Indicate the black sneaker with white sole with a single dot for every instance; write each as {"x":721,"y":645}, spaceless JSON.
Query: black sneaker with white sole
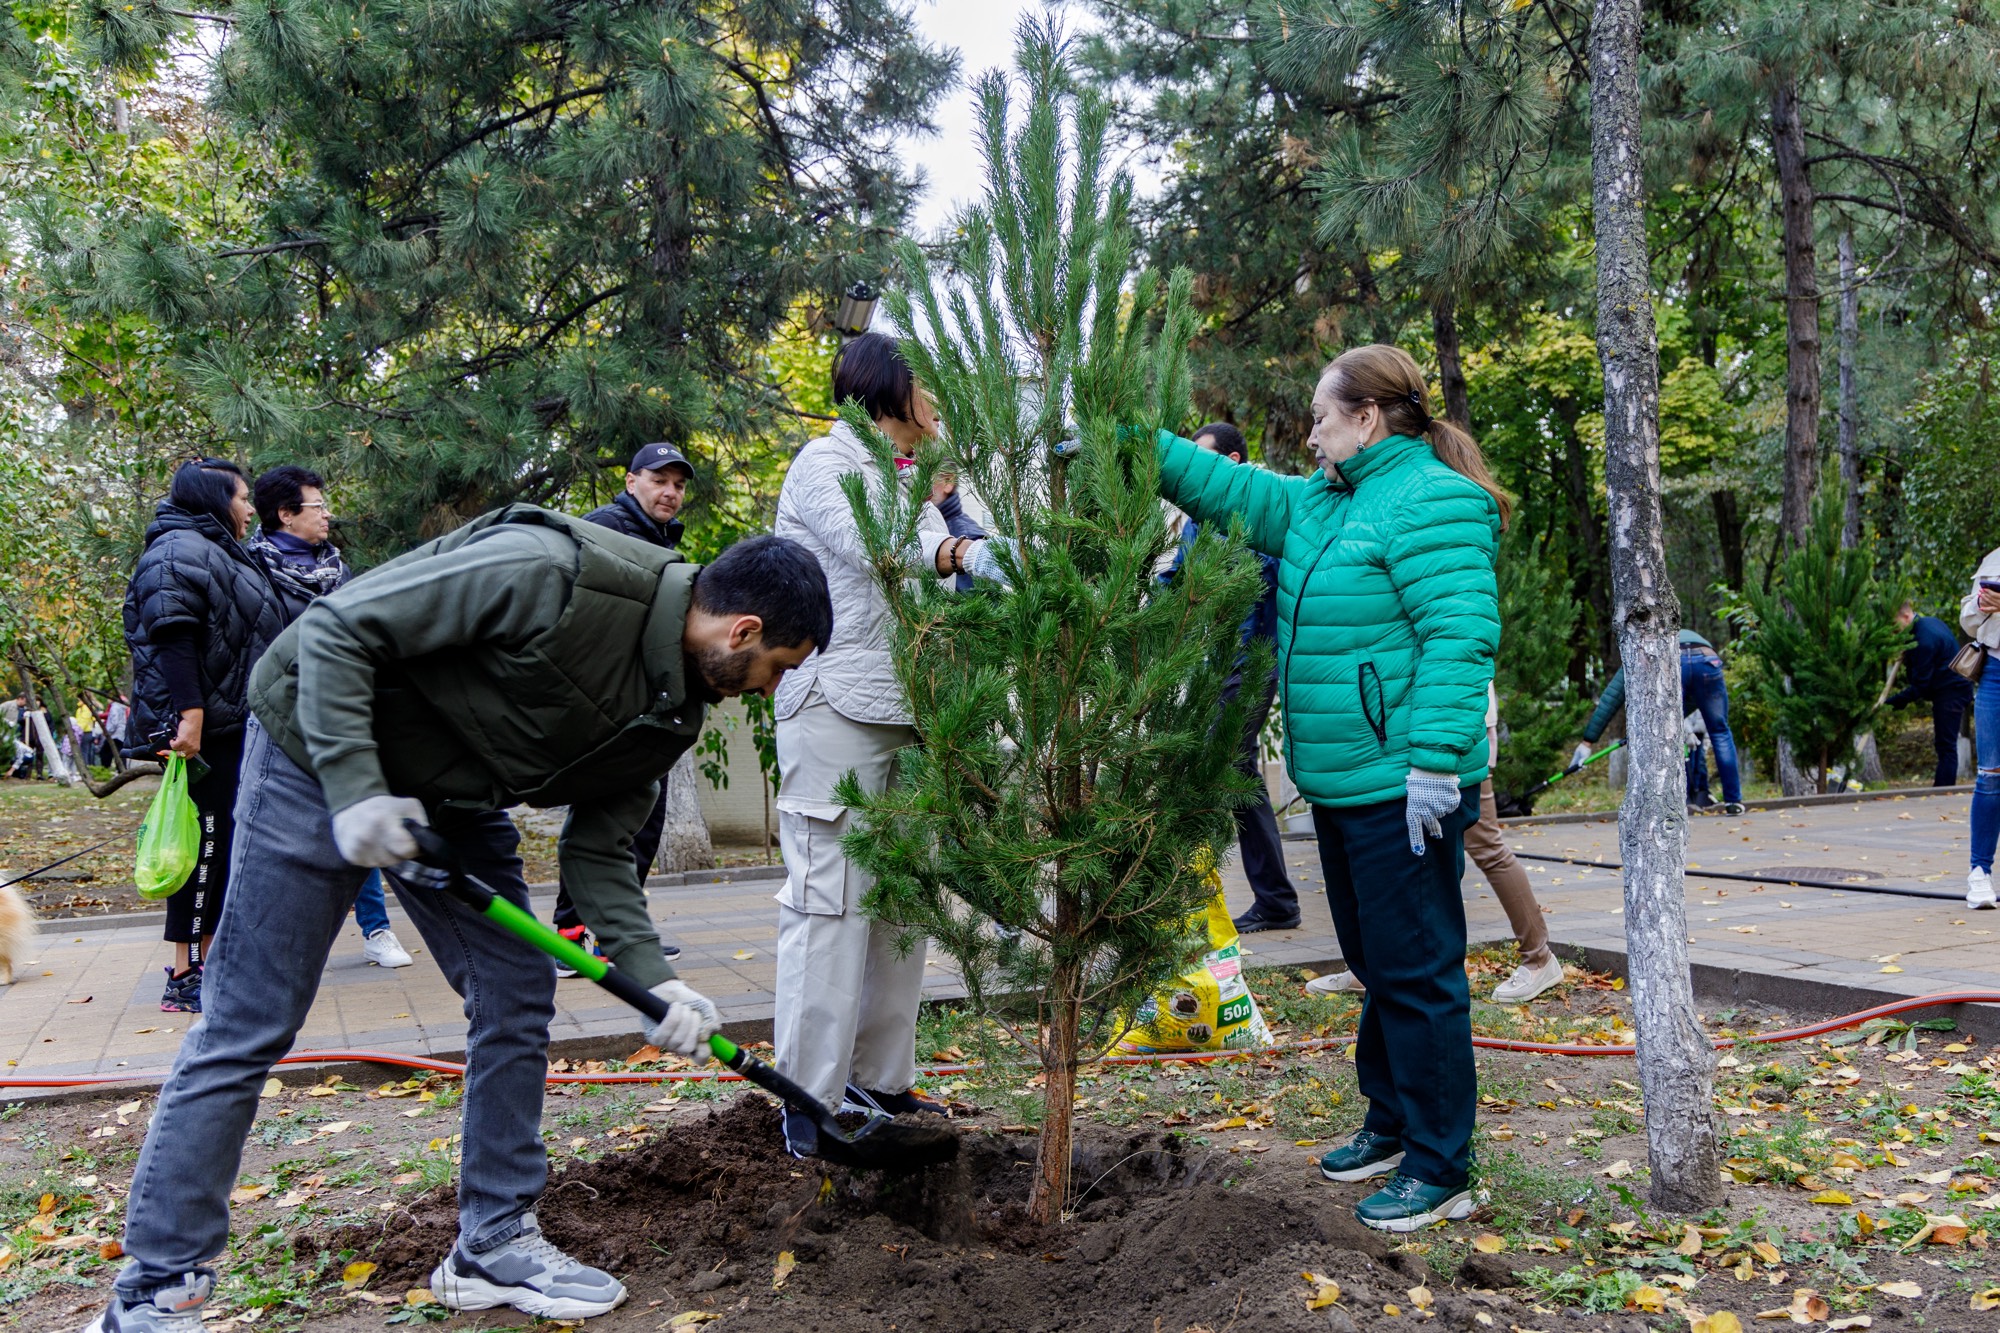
{"x":528,"y":1273}
{"x":910,"y":1102}
{"x":801,"y":1134}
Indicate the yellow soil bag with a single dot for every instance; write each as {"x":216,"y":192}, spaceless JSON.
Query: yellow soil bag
{"x":1209,"y":1008}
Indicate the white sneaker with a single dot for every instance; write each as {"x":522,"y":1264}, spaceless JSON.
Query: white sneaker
{"x":1979,"y":889}
{"x":1528,"y":982}
{"x":384,"y":950}
{"x":1335,"y":984}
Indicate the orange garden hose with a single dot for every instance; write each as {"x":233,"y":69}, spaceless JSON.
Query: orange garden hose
{"x":429,"y":1065}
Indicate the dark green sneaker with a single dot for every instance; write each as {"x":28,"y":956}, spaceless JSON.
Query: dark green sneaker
{"x":1406,"y":1204}
{"x":1362,"y":1156}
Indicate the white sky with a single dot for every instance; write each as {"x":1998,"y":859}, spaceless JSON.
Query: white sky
{"x":982,"y":31}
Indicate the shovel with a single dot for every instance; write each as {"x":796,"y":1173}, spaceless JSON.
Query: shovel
{"x":1524,"y":803}
{"x":881,"y":1144}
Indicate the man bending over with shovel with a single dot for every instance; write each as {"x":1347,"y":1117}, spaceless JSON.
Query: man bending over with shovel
{"x":528,"y":657}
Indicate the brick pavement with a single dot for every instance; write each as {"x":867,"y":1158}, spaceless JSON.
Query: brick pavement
{"x":47,"y":1026}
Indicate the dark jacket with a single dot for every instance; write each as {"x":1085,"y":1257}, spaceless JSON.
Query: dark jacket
{"x":1261,"y":623}
{"x":194,"y":576}
{"x":625,"y":515}
{"x":1613,"y":697}
{"x":299,"y":573}
{"x":1929,"y":664}
{"x":527,"y":658}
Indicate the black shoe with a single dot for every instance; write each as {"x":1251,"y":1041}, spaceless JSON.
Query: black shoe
{"x":801,"y":1134}
{"x":1703,"y":802}
{"x":1254,"y":920}
{"x":669,"y":951}
{"x":894,"y":1103}
{"x":1732,"y":807}
{"x":183,"y":992}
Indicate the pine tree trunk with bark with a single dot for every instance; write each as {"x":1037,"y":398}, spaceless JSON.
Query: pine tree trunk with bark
{"x":1850,"y":393}
{"x":1802,"y":385}
{"x":1676,"y":1063}
{"x":1451,"y":362}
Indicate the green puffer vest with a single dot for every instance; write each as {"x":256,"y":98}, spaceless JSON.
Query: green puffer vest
{"x":1388,"y":615}
{"x":592,"y":705}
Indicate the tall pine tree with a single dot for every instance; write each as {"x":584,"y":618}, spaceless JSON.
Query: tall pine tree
{"x":1077,"y":758}
{"x":519,"y":239}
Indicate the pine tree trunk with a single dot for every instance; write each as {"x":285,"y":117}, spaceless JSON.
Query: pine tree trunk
{"x":1802,"y":389}
{"x":1728,"y":536}
{"x":1451,"y":364}
{"x":1675,"y":1061}
{"x":684,"y":841}
{"x":1059,"y":1054}
{"x":1850,"y":394}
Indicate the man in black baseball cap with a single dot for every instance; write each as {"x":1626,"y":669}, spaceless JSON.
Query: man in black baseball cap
{"x":655,"y":488}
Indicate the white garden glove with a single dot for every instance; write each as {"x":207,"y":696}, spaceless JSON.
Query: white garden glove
{"x":983,"y":561}
{"x":691,"y":1020}
{"x":1431,"y":797}
{"x":1581,"y":756}
{"x":371,"y":832}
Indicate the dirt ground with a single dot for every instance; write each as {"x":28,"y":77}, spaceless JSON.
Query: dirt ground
{"x":1858,"y":1173}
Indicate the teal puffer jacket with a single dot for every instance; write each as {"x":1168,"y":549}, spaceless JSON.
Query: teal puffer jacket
{"x":1388,"y":615}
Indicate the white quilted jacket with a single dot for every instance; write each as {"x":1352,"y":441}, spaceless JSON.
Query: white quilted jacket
{"x":855,"y":672}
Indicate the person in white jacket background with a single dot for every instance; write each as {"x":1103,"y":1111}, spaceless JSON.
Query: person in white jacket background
{"x":1979,"y":617}
{"x":847,"y":996}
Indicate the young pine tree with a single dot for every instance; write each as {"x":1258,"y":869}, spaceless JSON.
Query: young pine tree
{"x":1077,"y":755}
{"x":1824,"y":635}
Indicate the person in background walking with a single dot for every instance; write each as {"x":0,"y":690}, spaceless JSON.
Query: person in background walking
{"x":1388,"y":618}
{"x":1933,"y":680}
{"x":1979,"y":617}
{"x":649,"y":507}
{"x":1275,"y":904}
{"x":293,"y":543}
{"x":1703,"y":688}
{"x":845,"y":1026}
{"x":198,"y":613}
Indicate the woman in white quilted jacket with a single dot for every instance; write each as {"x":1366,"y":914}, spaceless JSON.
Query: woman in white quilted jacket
{"x":1979,"y":616}
{"x":847,"y":998}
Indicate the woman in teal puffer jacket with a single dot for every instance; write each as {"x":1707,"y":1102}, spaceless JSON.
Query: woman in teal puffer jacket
{"x":1388,"y":620}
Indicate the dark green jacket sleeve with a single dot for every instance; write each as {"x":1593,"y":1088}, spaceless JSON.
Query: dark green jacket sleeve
{"x":596,"y":858}
{"x":1212,"y":488}
{"x":504,"y":588}
{"x":1608,"y":705}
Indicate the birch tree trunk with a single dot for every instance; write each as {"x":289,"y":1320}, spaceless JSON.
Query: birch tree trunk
{"x":1802,"y":387}
{"x":1850,"y":394}
{"x":1676,"y":1064}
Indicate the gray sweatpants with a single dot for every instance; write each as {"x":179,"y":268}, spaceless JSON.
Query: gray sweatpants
{"x":289,"y":896}
{"x":847,"y":996}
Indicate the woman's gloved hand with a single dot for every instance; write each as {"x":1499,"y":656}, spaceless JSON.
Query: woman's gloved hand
{"x":1431,"y":797}
{"x":983,"y":561}
{"x":1581,"y":756}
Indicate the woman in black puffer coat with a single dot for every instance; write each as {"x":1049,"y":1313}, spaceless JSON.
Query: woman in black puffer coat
{"x":199,"y":612}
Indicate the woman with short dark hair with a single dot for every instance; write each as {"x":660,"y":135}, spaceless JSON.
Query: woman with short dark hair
{"x":198,"y":614}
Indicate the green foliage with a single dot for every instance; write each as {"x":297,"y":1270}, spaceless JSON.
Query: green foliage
{"x":1953,"y":474}
{"x":1077,"y":757}
{"x":1825,"y":634}
{"x":1541,"y":709}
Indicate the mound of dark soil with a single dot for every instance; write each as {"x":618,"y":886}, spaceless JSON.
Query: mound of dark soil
{"x":1166,"y":1236}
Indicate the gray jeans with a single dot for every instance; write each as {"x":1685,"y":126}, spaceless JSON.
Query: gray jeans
{"x":290,"y":893}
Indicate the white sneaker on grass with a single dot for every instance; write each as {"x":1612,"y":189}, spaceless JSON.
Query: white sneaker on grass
{"x":1528,"y":982}
{"x":1979,"y":889}
{"x":1335,"y":984}
{"x":384,"y":950}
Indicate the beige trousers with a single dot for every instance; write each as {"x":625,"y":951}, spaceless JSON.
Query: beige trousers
{"x":847,"y":997}
{"x":1489,"y":850}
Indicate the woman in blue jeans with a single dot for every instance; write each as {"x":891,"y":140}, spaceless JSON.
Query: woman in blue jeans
{"x":1703,"y":688}
{"x":1979,"y":617}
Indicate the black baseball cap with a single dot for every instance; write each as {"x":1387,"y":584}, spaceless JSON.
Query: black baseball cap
{"x":656,"y":456}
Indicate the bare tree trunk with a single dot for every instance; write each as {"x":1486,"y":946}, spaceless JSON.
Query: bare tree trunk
{"x":684,"y":842}
{"x":1729,"y":536}
{"x":1850,"y":393}
{"x":1053,"y":1159}
{"x":1793,"y":780}
{"x":1802,"y":391}
{"x":1676,"y":1064}
{"x":1451,"y":364}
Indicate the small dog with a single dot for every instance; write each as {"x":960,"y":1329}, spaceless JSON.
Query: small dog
{"x":17,"y":930}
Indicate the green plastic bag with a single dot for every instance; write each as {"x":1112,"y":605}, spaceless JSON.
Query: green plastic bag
{"x":170,"y":839}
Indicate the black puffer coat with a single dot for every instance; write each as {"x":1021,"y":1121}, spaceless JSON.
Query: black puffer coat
{"x":624,"y":515}
{"x":194,"y":572}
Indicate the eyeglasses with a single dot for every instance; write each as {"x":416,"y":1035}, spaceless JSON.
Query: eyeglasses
{"x":315,"y":504}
